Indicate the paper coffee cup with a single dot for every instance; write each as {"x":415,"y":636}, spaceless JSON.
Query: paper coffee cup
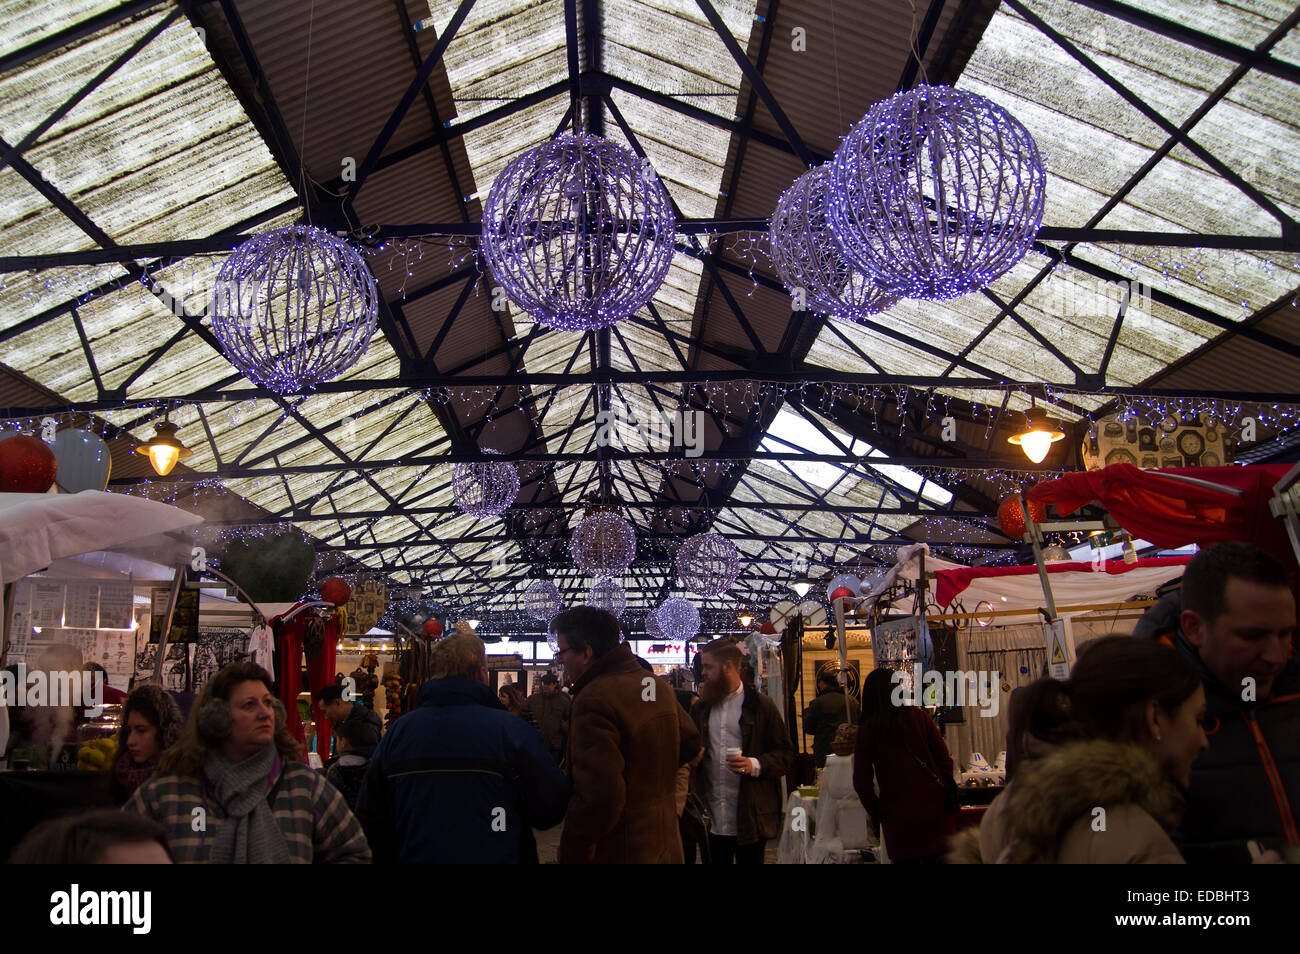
{"x":732,"y":751}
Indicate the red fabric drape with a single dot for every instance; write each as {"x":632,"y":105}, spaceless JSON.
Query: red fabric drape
{"x":1174,"y":513}
{"x":290,"y":644}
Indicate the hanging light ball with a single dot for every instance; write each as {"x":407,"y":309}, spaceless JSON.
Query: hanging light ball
{"x":542,"y":600}
{"x":708,"y":564}
{"x":603,"y":544}
{"x":27,"y":465}
{"x":432,"y":628}
{"x":1012,"y":520}
{"x":609,"y":596}
{"x":810,"y":263}
{"x":844,"y":585}
{"x":937,"y":192}
{"x":294,"y":307}
{"x":652,"y":625}
{"x":336,"y":591}
{"x":578,"y":232}
{"x":484,"y":488}
{"x":678,"y":618}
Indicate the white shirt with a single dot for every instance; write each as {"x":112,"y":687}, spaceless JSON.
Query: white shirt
{"x":724,"y":784}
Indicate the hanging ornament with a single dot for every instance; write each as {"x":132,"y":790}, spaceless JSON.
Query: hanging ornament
{"x":335,"y":591}
{"x":652,"y":625}
{"x":294,"y":307}
{"x":937,"y":192}
{"x":542,"y":600}
{"x":27,"y":465}
{"x":578,"y":232}
{"x":808,"y":260}
{"x":432,"y":628}
{"x":708,"y":564}
{"x":1012,"y":520}
{"x":484,"y":488}
{"x":603,"y":544}
{"x":679,"y":620}
{"x":609,"y":596}
{"x":846,"y":585}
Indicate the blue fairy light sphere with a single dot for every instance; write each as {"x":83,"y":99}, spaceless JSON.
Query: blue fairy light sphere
{"x":936,"y":192}
{"x":609,"y":596}
{"x":294,"y":307}
{"x":484,"y":488}
{"x":578,"y":232}
{"x":708,"y":564}
{"x":678,"y":618}
{"x":808,"y":260}
{"x":603,"y":544}
{"x":652,"y":624}
{"x":542,"y":600}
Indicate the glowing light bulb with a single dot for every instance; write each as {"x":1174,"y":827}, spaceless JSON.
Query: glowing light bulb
{"x":1036,"y":444}
{"x":164,"y":458}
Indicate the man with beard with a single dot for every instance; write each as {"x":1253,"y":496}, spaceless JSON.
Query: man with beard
{"x":1236,"y":626}
{"x":627,"y":738}
{"x":746,"y":752}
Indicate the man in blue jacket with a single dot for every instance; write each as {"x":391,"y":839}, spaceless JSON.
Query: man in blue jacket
{"x":460,"y":780}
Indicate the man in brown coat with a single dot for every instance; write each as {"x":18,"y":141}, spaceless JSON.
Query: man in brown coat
{"x":627,"y":738}
{"x":746,"y":752}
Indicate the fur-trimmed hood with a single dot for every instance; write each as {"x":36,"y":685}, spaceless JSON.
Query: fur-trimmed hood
{"x":1052,"y":794}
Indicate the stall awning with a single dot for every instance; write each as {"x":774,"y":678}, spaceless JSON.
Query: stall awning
{"x":1073,"y":584}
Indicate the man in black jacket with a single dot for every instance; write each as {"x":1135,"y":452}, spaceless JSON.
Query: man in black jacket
{"x":1236,"y":626}
{"x":826,"y":713}
{"x":340,"y":711}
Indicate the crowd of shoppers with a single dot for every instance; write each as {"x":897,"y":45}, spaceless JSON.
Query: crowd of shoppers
{"x":1178,"y":743}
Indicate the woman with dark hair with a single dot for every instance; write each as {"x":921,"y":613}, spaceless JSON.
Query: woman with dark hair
{"x":1123,"y":733}
{"x":512,"y":697}
{"x":899,"y":749}
{"x":100,"y":837}
{"x":151,"y":722}
{"x":234,"y":789}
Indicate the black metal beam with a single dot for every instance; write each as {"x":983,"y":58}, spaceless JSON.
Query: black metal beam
{"x":371,"y":161}
{"x":1175,"y":30}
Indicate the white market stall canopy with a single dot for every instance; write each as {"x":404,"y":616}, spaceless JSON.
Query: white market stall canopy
{"x":37,"y":529}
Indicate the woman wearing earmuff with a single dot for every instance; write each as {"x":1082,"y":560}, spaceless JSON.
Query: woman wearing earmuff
{"x":234,"y":788}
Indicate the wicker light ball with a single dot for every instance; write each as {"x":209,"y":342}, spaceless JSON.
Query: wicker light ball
{"x":609,"y":596}
{"x":484,"y":488}
{"x":578,"y":232}
{"x":294,"y":307}
{"x":708,"y":564}
{"x":542,"y":600}
{"x":809,"y":261}
{"x":678,"y":618}
{"x":936,"y":192}
{"x":603,"y":545}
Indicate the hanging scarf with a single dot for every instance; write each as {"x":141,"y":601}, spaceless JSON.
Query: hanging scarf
{"x":249,"y":834}
{"x":130,"y":776}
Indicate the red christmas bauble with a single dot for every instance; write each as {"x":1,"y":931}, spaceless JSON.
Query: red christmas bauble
{"x":432,"y":627}
{"x":1012,"y":521}
{"x":767,"y":629}
{"x":335,"y":591}
{"x":27,"y":465}
{"x":840,"y":593}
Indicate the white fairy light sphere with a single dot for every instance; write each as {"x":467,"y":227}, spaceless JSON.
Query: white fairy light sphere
{"x":578,"y":232}
{"x":809,"y":261}
{"x":542,"y":600}
{"x":678,"y":618}
{"x":708,"y":564}
{"x":609,"y":596}
{"x":652,"y":624}
{"x":603,"y":545}
{"x":484,"y":488}
{"x":294,"y":307}
{"x":936,"y":192}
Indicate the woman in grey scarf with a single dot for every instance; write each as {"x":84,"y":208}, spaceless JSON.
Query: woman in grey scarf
{"x":234,"y":789}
